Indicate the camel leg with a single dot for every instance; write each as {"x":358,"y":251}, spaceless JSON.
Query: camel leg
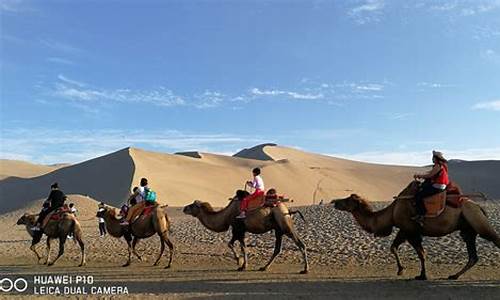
{"x":302,"y":248}
{"x":128,"y":238}
{"x":416,"y":242}
{"x":244,"y":253}
{"x":470,"y":239}
{"x":400,"y":238}
{"x":62,"y":240}
{"x":277,"y":249}
{"x":162,"y":249}
{"x":36,"y":240}
{"x":171,"y":249}
{"x":48,"y":251}
{"x":78,"y":237}
{"x":239,"y":260}
{"x":134,"y":243}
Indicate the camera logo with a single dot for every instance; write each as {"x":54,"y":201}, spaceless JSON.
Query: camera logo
{"x":19,"y":285}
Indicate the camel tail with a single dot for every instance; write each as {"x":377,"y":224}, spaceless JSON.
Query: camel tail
{"x":476,"y":217}
{"x":299,"y":213}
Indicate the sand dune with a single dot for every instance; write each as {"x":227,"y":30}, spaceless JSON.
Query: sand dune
{"x":180,"y":178}
{"x":107,"y":178}
{"x":17,"y":168}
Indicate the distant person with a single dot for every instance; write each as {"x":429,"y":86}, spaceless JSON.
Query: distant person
{"x":321,"y":202}
{"x":72,"y":210}
{"x":435,"y":182}
{"x":54,"y":201}
{"x":258,"y":185}
{"x":102,"y":223}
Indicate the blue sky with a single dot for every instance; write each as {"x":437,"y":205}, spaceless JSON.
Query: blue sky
{"x":381,"y":81}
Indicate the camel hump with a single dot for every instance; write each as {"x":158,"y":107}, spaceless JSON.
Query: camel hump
{"x":281,"y":208}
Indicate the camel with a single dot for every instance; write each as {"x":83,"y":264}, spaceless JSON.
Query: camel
{"x":470,"y":219}
{"x":55,"y":229}
{"x":258,"y":221}
{"x":144,"y":227}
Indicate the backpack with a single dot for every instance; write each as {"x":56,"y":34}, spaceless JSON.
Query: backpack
{"x":149,"y":195}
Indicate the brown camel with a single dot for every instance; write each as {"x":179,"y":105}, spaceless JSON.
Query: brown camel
{"x":55,"y":229}
{"x":144,"y":227}
{"x":258,"y":221}
{"x":470,"y":219}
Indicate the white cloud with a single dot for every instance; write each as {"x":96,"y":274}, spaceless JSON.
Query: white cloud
{"x":10,"y":5}
{"x":490,"y":105}
{"x":81,"y":94}
{"x":74,"y":90}
{"x":60,"y":60}
{"x":435,"y":85}
{"x":368,"y":11}
{"x":490,"y":55}
{"x":463,"y":8}
{"x":289,"y":94}
{"x":60,"y":46}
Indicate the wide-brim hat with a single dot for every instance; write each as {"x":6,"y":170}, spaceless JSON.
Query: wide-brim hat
{"x":438,"y":155}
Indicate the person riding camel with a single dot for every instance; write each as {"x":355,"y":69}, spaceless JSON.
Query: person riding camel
{"x":258,"y":185}
{"x":139,"y":196}
{"x":54,"y":201}
{"x":435,"y":182}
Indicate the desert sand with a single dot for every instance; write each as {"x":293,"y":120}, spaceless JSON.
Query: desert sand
{"x":346,"y":262}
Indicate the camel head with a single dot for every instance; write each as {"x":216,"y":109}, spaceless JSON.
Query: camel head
{"x":350,"y":204}
{"x":193,"y":209}
{"x":26,"y":219}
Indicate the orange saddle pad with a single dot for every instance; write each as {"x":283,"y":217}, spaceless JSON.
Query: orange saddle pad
{"x":256,"y":202}
{"x":435,"y":205}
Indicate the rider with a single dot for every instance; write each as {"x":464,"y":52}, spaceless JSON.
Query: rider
{"x":435,"y":181}
{"x":258,"y":185}
{"x":137,"y":196}
{"x":54,"y":201}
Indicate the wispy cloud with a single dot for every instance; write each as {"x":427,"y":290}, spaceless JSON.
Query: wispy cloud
{"x":289,"y":94}
{"x":435,"y":85}
{"x":463,"y":8}
{"x":78,"y":145}
{"x":489,"y":105}
{"x":490,"y":55}
{"x":78,"y":91}
{"x":11,"y":5}
{"x":60,"y":60}
{"x":367,"y":11}
{"x":87,"y":96}
{"x":60,"y":46}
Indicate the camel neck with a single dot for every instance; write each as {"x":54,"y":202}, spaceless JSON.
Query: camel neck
{"x":113,"y":225}
{"x":219,"y":221}
{"x":375,"y":222}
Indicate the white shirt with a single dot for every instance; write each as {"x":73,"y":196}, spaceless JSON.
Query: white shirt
{"x":142,"y":194}
{"x":101,"y":220}
{"x":258,"y":183}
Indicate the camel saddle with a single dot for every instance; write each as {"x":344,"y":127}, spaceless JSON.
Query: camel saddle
{"x":436,"y":204}
{"x":147,"y":210}
{"x":257,"y":202}
{"x":55,"y":215}
{"x":266,"y":200}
